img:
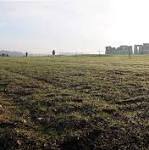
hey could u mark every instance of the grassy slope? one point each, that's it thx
(74, 102)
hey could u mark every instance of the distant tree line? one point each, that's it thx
(4, 55)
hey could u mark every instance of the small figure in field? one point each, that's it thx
(53, 52)
(26, 54)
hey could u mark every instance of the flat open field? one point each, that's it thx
(82, 102)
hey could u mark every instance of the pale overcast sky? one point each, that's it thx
(72, 25)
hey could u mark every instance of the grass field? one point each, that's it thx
(80, 102)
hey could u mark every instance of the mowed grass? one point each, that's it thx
(79, 102)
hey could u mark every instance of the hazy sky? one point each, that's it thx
(72, 25)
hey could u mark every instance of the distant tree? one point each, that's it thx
(3, 54)
(26, 54)
(53, 52)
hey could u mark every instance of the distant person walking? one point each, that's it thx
(53, 52)
(26, 54)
